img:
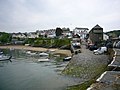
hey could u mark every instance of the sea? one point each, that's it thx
(26, 73)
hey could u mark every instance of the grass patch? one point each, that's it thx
(59, 59)
(82, 86)
(74, 71)
(87, 84)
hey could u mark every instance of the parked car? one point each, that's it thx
(93, 47)
(114, 44)
(100, 50)
(76, 43)
(118, 44)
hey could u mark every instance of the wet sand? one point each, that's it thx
(56, 50)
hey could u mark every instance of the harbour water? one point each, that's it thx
(25, 73)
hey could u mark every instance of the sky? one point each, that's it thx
(32, 15)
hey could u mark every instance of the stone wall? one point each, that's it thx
(110, 79)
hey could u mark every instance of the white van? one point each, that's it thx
(100, 50)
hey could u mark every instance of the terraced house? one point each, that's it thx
(82, 32)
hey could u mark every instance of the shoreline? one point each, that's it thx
(22, 47)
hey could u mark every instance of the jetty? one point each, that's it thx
(110, 79)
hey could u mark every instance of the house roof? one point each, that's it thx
(96, 27)
(82, 28)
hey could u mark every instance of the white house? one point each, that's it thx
(50, 33)
(82, 32)
(32, 35)
(105, 37)
(66, 32)
(18, 35)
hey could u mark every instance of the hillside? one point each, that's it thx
(114, 33)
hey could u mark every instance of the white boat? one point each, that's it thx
(43, 60)
(44, 57)
(43, 54)
(52, 50)
(28, 52)
(31, 53)
(67, 58)
(11, 49)
(4, 58)
(1, 53)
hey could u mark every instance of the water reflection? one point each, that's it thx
(25, 73)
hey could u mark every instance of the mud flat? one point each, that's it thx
(55, 50)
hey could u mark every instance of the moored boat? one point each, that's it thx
(43, 54)
(67, 58)
(44, 57)
(30, 53)
(43, 60)
(4, 58)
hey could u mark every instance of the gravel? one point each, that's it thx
(86, 66)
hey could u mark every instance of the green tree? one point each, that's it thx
(5, 37)
(58, 32)
(114, 33)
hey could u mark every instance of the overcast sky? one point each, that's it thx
(30, 15)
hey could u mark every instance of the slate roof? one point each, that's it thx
(96, 27)
(81, 28)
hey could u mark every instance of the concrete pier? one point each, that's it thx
(109, 80)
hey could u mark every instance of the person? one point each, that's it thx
(109, 46)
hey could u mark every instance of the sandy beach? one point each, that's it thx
(56, 51)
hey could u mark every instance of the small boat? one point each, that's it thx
(52, 50)
(43, 60)
(5, 58)
(11, 49)
(30, 53)
(1, 53)
(67, 58)
(44, 57)
(43, 54)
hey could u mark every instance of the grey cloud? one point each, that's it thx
(31, 14)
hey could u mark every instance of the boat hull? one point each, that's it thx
(6, 58)
(43, 60)
(67, 59)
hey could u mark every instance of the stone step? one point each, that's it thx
(115, 64)
(117, 52)
(107, 81)
(110, 77)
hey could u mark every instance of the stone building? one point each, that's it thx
(96, 34)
